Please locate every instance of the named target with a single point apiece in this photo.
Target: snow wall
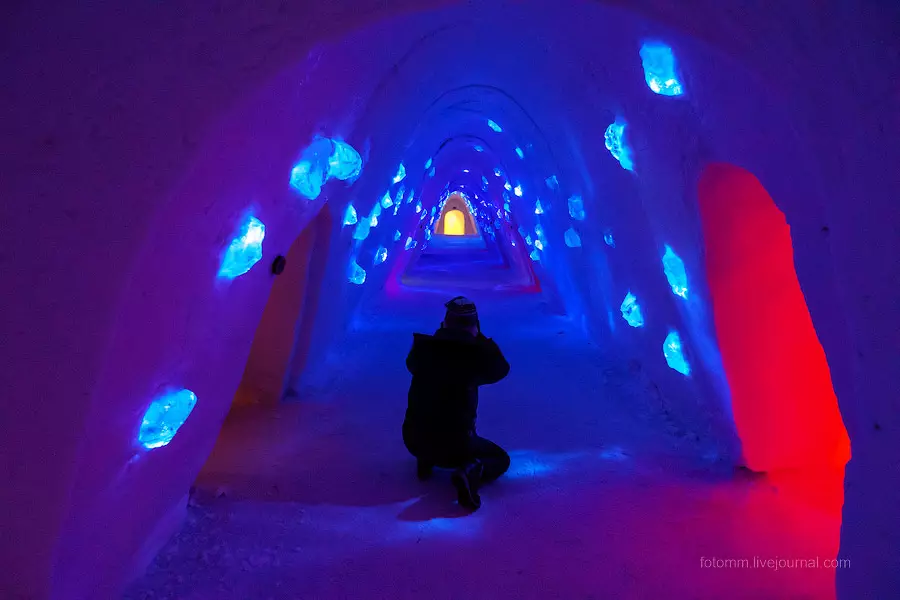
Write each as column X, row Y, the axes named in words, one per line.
column 137, row 138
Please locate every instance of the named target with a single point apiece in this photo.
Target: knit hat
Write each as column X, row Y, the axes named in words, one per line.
column 461, row 312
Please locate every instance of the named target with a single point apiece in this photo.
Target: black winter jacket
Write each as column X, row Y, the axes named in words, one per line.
column 447, row 369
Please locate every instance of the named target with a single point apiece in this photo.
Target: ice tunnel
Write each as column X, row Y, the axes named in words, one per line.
column 223, row 223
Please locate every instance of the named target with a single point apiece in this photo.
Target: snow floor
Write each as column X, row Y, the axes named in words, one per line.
column 317, row 498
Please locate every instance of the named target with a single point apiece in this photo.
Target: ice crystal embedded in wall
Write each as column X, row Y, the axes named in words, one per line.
column 428, row 164
column 401, row 174
column 361, row 231
column 675, row 272
column 631, row 311
column 397, row 236
column 535, row 255
column 494, row 126
column 356, row 273
column 573, row 240
column 307, row 179
column 498, row 172
column 164, row 417
column 380, row 255
column 344, row 162
column 479, row 149
column 386, row 201
column 552, row 182
column 615, row 143
column 518, row 190
column 538, row 209
column 245, row 249
column 418, row 207
column 520, row 152
column 660, row 69
column 608, row 238
column 576, row 208
column 350, row 216
column 431, row 172
column 410, row 243
column 674, row 354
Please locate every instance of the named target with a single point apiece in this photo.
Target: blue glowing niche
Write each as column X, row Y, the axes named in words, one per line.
column 322, row 160
column 350, row 216
column 631, row 311
column 615, row 143
column 572, row 239
column 245, row 249
column 356, row 273
column 576, row 208
column 164, row 417
column 494, row 126
column 675, row 272
column 672, row 350
column 660, row 69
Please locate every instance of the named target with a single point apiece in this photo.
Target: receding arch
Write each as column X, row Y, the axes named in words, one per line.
column 784, row 405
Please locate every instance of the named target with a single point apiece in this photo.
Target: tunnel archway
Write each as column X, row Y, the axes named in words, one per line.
column 784, row 405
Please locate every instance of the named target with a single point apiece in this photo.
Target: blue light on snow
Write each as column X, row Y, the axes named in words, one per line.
column 397, row 236
column 576, row 208
column 401, row 174
column 675, row 273
column 573, row 240
column 608, row 238
column 673, row 353
column 245, row 249
column 410, row 243
column 386, row 201
column 615, row 143
column 344, row 162
column 380, row 255
column 520, row 152
column 356, row 273
column 164, row 417
column 494, row 126
column 518, row 190
column 631, row 311
column 538, row 209
column 660, row 69
column 350, row 217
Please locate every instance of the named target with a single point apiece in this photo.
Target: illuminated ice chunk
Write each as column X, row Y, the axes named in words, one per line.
column 660, row 69
column 552, row 182
column 396, row 208
column 494, row 126
column 506, row 206
column 431, row 172
column 507, row 186
column 608, row 238
column 307, row 179
column 520, row 152
column 373, row 221
column 397, row 236
column 344, row 162
column 484, row 181
column 674, row 355
column 539, row 244
column 418, row 207
column 428, row 164
column 401, row 174
column 535, row 255
column 380, row 255
column 538, row 209
column 245, row 249
column 675, row 273
column 386, row 201
column 576, row 208
column 164, row 417
column 518, row 190
column 433, row 210
column 631, row 311
column 528, row 239
column 538, row 230
column 479, row 149
column 465, row 170
column 350, row 217
column 410, row 243
column 362, row 229
column 615, row 143
column 498, row 172
column 427, row 234
column 573, row 240
column 410, row 196
column 356, row 273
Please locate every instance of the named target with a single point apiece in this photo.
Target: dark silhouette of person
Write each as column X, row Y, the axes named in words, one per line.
column 439, row 429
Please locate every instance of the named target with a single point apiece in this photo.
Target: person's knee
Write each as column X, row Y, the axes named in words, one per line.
column 503, row 461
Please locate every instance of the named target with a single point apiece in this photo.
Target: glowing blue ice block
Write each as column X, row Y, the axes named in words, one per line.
column 164, row 417
column 520, row 152
column 494, row 126
column 397, row 236
column 674, row 355
column 410, row 243
column 573, row 240
column 675, row 272
column 431, row 172
column 401, row 174
column 615, row 143
column 631, row 311
column 380, row 255
column 245, row 249
column 479, row 149
column 356, row 274
column 362, row 229
column 386, row 201
column 518, row 190
column 307, row 179
column 418, row 207
column 345, row 162
column 498, row 172
column 608, row 238
column 538, row 209
column 660, row 69
column 350, row 217
column 576, row 208
column 552, row 182
column 428, row 164
column 539, row 244
column 535, row 255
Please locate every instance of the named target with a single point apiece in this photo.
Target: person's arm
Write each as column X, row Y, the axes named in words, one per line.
column 492, row 364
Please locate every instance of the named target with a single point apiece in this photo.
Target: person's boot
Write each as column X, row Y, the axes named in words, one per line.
column 467, row 481
column 423, row 470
